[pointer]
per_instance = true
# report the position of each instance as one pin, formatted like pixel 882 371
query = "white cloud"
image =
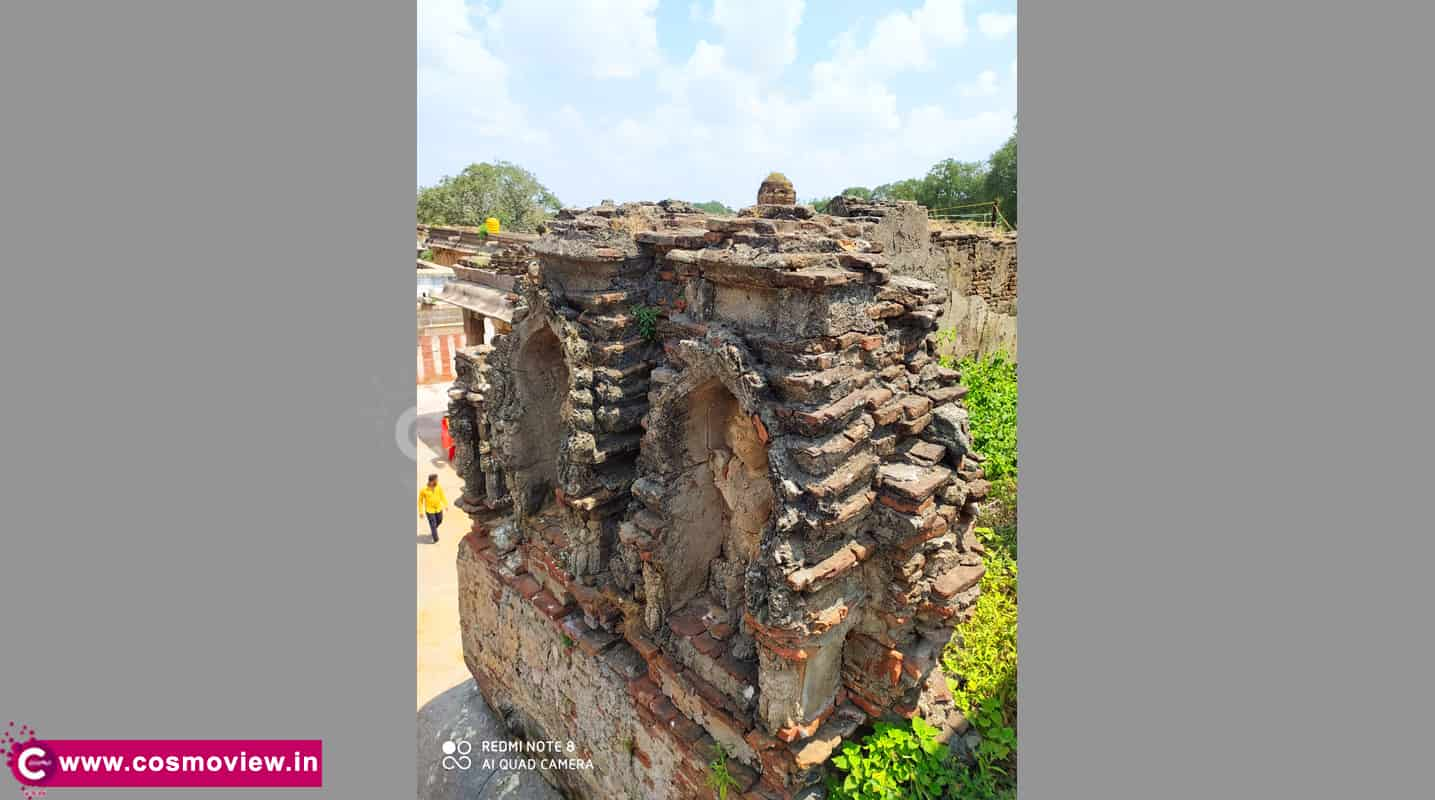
pixel 996 26
pixel 984 86
pixel 932 135
pixel 457 73
pixel 759 35
pixel 608 39
pixel 717 120
pixel 901 41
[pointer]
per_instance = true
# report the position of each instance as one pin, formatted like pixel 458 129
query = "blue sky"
pixel 699 99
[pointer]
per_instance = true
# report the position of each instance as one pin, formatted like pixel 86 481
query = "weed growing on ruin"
pixel 991 403
pixel 568 642
pixel 426 255
pixel 630 745
pixel 892 763
pixel 647 317
pixel 981 662
pixel 719 779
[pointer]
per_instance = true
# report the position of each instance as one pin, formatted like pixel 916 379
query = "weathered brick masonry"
pixel 977 265
pixel 747 525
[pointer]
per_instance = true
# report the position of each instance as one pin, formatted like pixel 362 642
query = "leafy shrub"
pixel 426 255
pixel 647 317
pixel 999 513
pixel 981 664
pixel 986 657
pixel 894 763
pixel 991 403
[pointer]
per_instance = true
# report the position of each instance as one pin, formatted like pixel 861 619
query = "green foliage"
pixel 999 514
pixel 714 207
pixel 894 762
pixel 957 183
pixel 901 190
pixel 991 402
pixel 984 651
pixel 953 183
pixel 981 659
pixel 647 317
pixel 720 780
pixel 502 190
pixel 568 642
pixel 1001 178
pixel 426 255
pixel 981 664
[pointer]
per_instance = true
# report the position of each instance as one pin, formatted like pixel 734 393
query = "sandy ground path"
pixel 440 654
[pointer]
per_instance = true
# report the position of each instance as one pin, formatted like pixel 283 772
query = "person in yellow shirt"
pixel 431 504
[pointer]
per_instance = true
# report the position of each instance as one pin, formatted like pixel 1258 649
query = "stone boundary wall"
pixel 981 270
pixel 976 266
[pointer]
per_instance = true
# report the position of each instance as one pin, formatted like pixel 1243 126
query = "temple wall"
pixel 723 494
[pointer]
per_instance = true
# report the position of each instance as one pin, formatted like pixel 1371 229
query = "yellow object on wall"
pixel 492 224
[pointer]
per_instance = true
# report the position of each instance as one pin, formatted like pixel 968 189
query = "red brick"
pixel 527 586
pixel 905 506
pixel 687 625
pixel 664 709
pixel 644 690
pixel 914 406
pixel 958 579
pixel 645 646
pixel 887 414
pixel 872 709
pixel 708 646
pixel 685 729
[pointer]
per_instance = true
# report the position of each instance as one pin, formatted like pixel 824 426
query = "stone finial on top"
pixel 776 190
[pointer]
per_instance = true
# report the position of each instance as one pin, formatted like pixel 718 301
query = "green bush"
pixel 991 403
pixel 981 663
pixel 647 317
pixel 894 763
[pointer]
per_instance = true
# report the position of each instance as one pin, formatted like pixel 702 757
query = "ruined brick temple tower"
pixel 723 493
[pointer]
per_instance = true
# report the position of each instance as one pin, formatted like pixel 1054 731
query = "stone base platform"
pixel 552 677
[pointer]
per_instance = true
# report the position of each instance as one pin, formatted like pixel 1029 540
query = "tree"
pixel 857 191
pixel 502 190
pixel 901 190
pixel 1001 178
pixel 953 183
pixel 714 207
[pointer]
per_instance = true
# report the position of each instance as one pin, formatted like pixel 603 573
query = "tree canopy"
pixel 953 183
pixel 714 207
pixel 500 189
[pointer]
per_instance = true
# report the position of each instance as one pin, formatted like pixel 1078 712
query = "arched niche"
pixel 541 380
pixel 719 499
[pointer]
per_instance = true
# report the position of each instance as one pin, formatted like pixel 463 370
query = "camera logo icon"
pixel 456 755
